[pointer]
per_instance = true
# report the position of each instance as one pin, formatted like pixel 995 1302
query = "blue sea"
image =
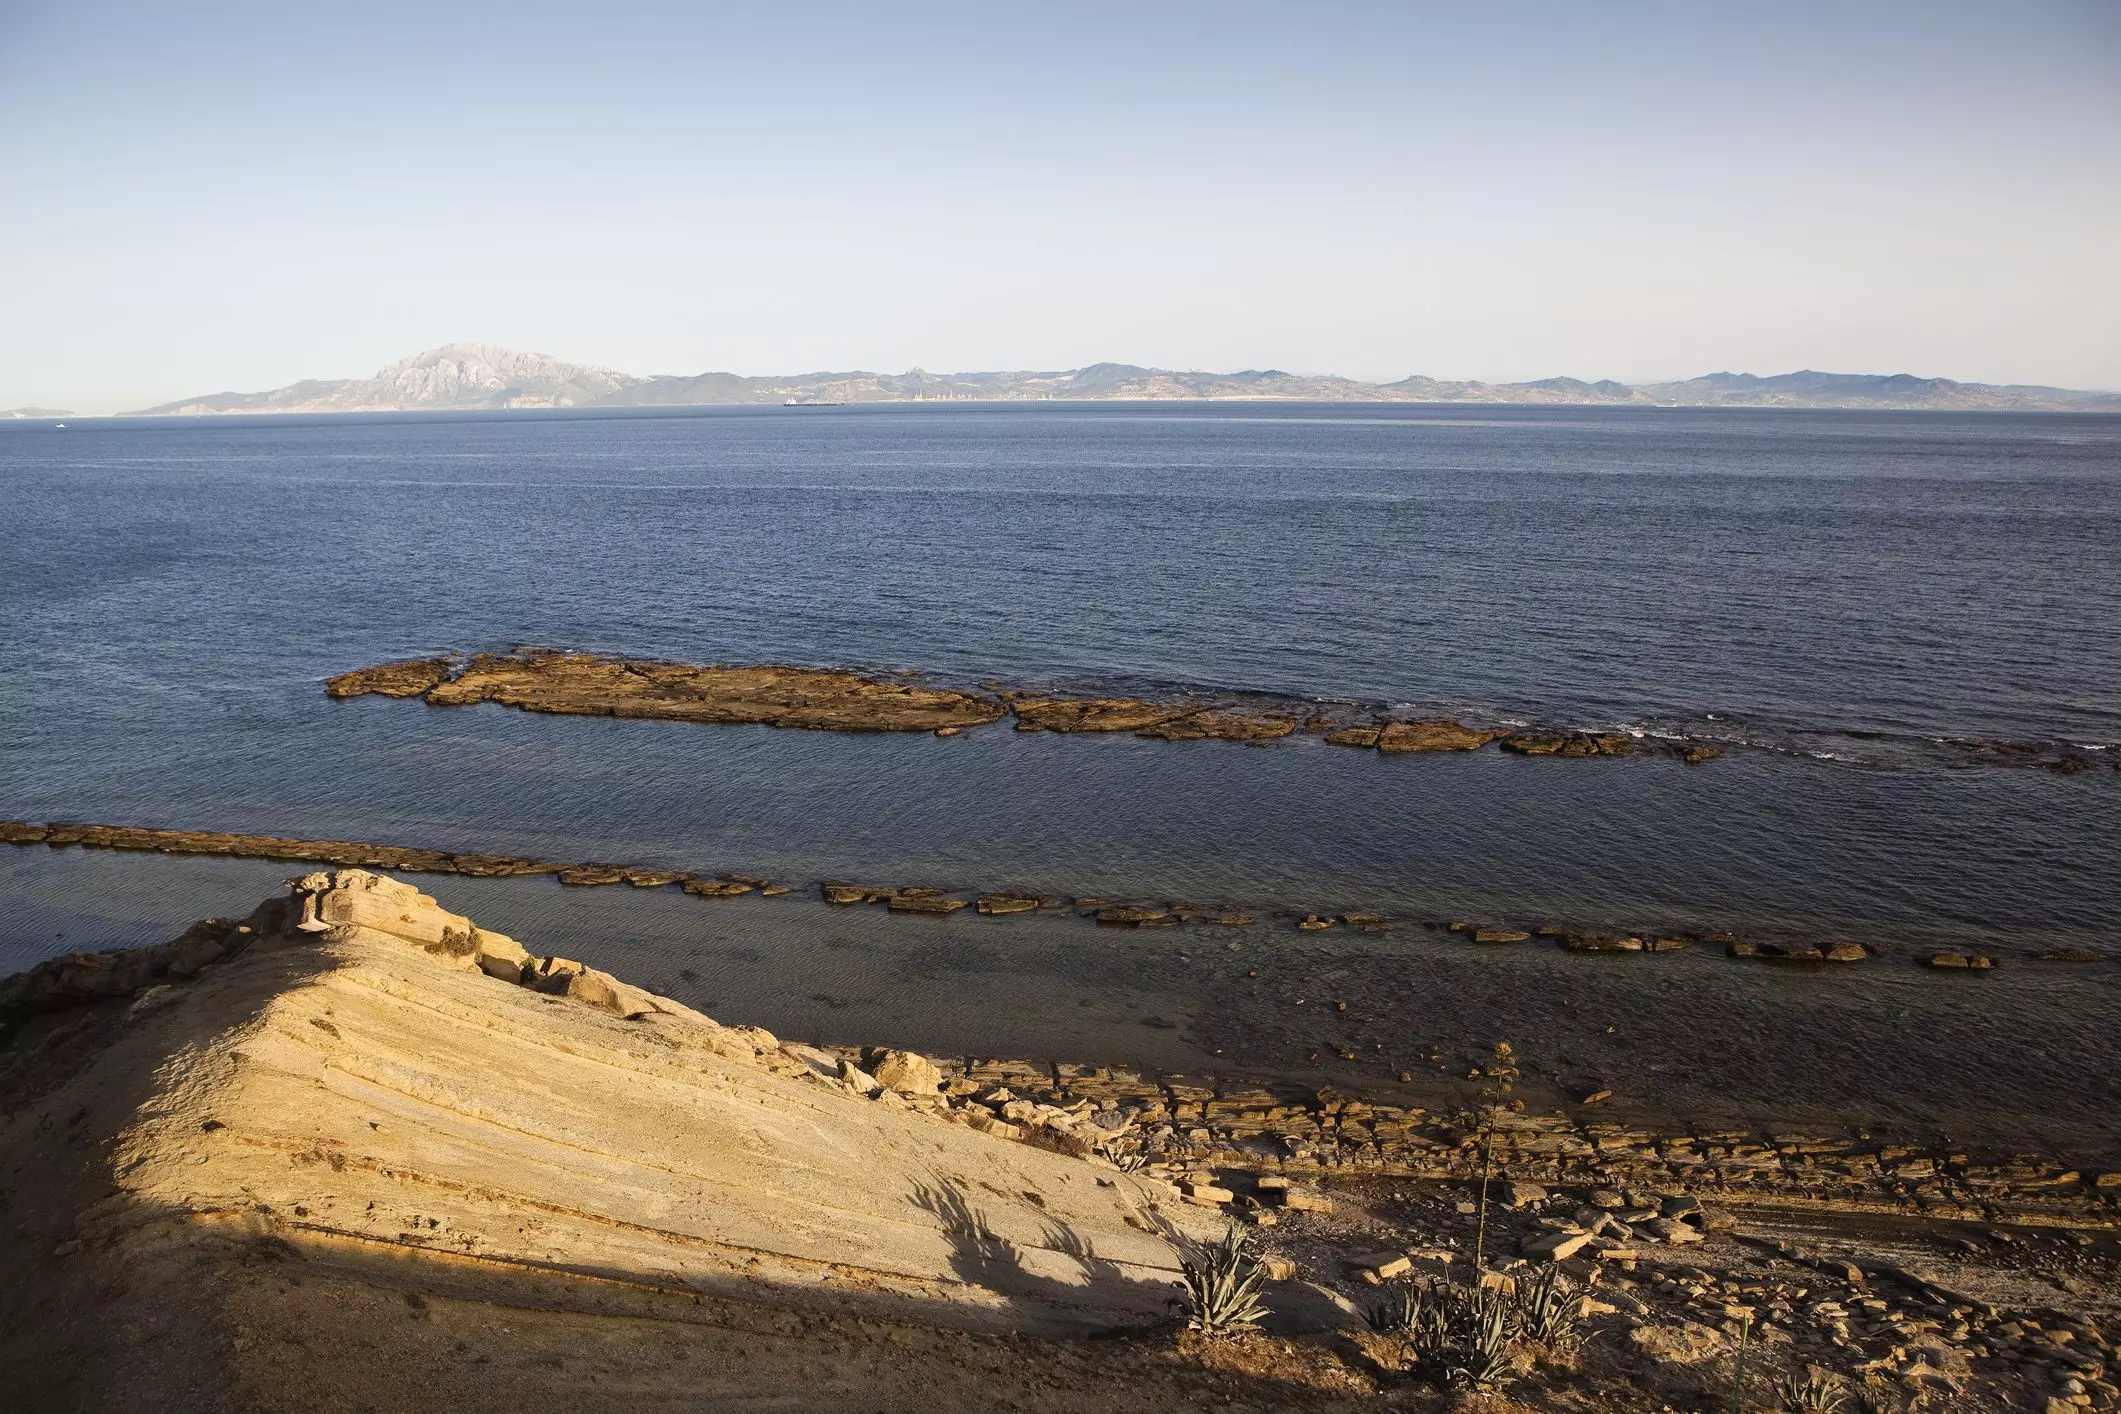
pixel 1836 598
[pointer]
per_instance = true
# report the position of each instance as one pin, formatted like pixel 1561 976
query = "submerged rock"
pixel 1600 942
pixel 1959 961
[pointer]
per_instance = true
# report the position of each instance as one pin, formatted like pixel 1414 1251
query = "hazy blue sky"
pixel 205 196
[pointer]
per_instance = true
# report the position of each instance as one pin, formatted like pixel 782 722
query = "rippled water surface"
pixel 1840 589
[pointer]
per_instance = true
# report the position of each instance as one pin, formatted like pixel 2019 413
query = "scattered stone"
pixel 1382 1266
pixel 907 1072
pixel 1500 935
pixel 1557 1246
pixel 1130 915
pixel 1207 1195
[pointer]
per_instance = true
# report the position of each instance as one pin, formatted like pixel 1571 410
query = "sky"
pixel 199 197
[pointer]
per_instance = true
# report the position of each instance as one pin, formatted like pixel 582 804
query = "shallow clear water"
pixel 1827 585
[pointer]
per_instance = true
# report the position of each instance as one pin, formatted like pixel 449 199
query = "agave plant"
pixel 1222 1287
pixel 1547 1310
pixel 1399 1312
pixel 1481 1359
pixel 1817 1393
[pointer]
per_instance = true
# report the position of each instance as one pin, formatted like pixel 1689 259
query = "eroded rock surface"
pixel 1096 714
pixel 410 678
pixel 355 1054
pixel 1433 735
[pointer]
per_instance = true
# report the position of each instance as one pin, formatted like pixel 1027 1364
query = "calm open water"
pixel 1840 589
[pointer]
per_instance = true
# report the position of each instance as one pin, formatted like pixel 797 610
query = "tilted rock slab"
pixel 365 1075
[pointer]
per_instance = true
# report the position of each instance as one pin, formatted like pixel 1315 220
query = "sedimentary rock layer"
pixel 353 1053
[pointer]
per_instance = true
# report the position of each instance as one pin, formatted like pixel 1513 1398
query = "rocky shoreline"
pixel 1915 1273
pixel 1820 955
pixel 1176 1126
pixel 568 683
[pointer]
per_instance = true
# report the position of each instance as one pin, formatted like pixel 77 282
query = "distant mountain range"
pixel 466 376
pixel 34 412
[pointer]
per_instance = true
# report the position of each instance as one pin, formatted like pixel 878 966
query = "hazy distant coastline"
pixel 475 376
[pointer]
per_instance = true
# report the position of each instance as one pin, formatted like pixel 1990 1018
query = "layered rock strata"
pixel 368 1071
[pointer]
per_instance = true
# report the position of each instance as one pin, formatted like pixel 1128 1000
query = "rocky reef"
pixel 845 700
pixel 589 685
pixel 820 699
